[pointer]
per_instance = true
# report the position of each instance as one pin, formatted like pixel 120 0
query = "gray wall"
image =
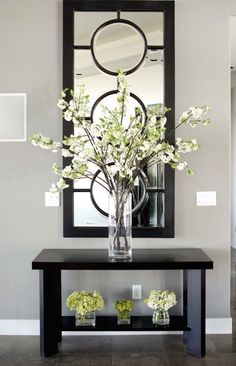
pixel 31 54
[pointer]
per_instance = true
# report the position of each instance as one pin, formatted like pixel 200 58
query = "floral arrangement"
pixel 120 151
pixel 85 302
pixel 161 300
pixel 124 306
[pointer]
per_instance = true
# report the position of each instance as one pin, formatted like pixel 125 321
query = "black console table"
pixel 193 262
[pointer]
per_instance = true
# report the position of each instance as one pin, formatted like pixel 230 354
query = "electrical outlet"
pixel 136 292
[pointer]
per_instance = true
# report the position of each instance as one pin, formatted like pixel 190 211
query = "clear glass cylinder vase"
pixel 120 225
pixel 161 317
pixel 86 320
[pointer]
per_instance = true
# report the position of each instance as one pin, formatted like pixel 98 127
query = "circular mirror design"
pixel 99 196
pixel 135 107
pixel 118 44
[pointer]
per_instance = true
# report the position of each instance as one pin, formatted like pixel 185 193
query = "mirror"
pixel 139 39
pixel 12 117
pixel 118 44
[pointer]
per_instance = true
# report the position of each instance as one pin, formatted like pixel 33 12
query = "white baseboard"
pixel 219 326
pixel 31 327
pixel 19 327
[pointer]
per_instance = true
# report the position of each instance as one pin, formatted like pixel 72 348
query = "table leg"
pixel 185 298
pixel 194 309
pixel 50 311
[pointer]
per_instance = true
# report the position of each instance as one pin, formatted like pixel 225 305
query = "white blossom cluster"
pixel 161 300
pixel 119 151
pixel 45 142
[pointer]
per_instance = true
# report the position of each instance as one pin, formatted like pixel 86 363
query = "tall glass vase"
pixel 120 225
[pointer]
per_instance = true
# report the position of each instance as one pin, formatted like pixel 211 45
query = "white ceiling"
pixel 233 42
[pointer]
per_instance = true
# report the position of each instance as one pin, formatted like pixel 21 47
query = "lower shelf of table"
pixel 138 323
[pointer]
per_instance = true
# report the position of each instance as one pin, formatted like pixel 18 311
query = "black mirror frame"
pixel 167 7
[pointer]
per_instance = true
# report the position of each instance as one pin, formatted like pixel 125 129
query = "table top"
pixel 142 259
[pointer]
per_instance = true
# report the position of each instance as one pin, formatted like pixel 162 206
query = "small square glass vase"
pixel 161 317
pixel 87 320
pixel 123 318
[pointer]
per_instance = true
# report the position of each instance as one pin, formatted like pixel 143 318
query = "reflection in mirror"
pixel 160 210
pixel 151 24
pixel 13 117
pixel 148 81
pixel 110 102
pixel 85 214
pixel 86 72
pixel 100 193
pixel 155 175
pixel 98 83
pixel 156 209
pixel 119 46
pixel 86 23
pixel 152 214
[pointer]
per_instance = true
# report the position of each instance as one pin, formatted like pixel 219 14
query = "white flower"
pixel 68 115
pixel 165 158
pixel 63 93
pixel 62 184
pixel 53 188
pixel 184 117
pixel 163 121
pixel 35 143
pixel 56 146
pixel 62 104
pixel 196 112
pixel 66 153
pixel 45 146
pixel 72 105
pixel 67 171
pixel 56 169
pixel 181 166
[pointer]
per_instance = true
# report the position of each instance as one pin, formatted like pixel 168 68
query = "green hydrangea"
pixel 85 302
pixel 124 306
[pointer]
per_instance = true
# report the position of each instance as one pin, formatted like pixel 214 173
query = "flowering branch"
pixel 119 152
